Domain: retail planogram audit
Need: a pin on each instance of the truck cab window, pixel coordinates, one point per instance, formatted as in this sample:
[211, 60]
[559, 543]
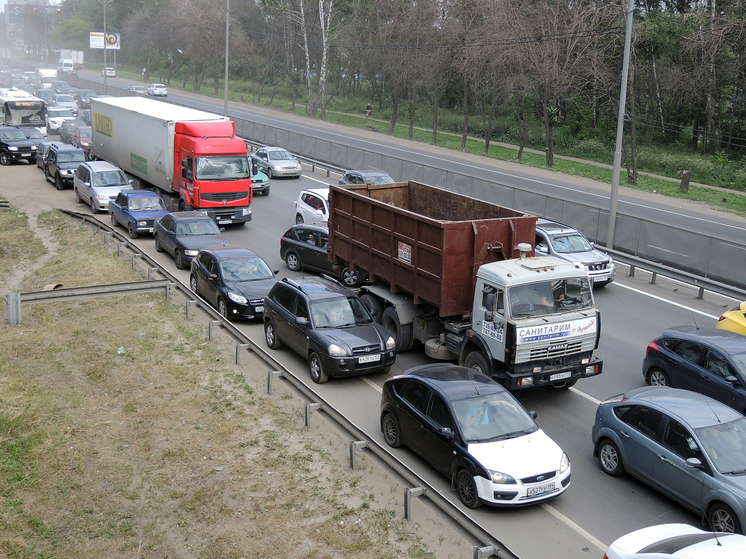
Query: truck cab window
[187, 169]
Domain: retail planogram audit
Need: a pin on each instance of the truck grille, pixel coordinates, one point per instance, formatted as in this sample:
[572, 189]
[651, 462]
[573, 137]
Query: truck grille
[227, 196]
[553, 351]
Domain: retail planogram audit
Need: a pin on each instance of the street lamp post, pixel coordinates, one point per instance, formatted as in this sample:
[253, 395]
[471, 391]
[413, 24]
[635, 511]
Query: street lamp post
[227, 31]
[104, 3]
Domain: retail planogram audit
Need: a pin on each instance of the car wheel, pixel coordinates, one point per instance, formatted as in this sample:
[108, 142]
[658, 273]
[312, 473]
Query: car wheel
[386, 370]
[722, 519]
[316, 367]
[132, 231]
[158, 247]
[193, 284]
[114, 222]
[656, 377]
[94, 209]
[222, 309]
[270, 335]
[298, 218]
[4, 159]
[292, 260]
[58, 183]
[78, 199]
[32, 161]
[374, 305]
[349, 278]
[266, 192]
[402, 333]
[180, 264]
[467, 490]
[390, 428]
[269, 173]
[475, 360]
[609, 458]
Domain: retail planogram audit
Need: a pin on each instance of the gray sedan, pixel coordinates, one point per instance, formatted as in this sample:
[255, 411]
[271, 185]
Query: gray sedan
[686, 445]
[277, 162]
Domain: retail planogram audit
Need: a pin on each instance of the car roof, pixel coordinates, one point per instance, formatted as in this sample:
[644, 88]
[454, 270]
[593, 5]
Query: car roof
[181, 216]
[724, 340]
[101, 166]
[554, 226]
[318, 287]
[311, 227]
[68, 147]
[697, 410]
[368, 171]
[140, 194]
[455, 382]
[274, 148]
[229, 252]
[323, 192]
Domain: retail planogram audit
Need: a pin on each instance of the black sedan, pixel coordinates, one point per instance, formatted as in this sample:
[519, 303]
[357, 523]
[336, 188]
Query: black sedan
[183, 234]
[471, 429]
[303, 247]
[232, 279]
[705, 360]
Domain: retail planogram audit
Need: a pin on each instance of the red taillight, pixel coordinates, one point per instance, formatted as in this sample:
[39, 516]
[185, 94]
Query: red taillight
[652, 346]
[721, 318]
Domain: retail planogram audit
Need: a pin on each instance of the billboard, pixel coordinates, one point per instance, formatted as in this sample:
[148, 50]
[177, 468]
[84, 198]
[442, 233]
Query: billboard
[97, 40]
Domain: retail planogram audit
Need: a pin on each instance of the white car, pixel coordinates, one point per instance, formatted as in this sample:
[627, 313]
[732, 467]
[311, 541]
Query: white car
[312, 206]
[677, 541]
[55, 117]
[157, 90]
[109, 72]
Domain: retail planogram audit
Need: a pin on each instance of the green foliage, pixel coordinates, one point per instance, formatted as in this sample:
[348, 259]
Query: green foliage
[72, 33]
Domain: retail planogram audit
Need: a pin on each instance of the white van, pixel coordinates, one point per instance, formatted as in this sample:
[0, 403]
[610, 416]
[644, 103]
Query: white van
[65, 65]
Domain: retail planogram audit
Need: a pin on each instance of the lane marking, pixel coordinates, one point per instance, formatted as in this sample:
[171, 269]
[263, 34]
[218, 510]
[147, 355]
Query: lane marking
[367, 381]
[573, 526]
[658, 298]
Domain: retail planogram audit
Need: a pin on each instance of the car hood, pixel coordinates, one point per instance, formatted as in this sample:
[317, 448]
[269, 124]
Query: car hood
[257, 289]
[146, 214]
[69, 166]
[111, 191]
[196, 242]
[525, 456]
[590, 257]
[356, 336]
[24, 144]
[57, 120]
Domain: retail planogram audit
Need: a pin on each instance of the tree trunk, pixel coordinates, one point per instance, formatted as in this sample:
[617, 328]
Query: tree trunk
[465, 131]
[549, 133]
[633, 126]
[394, 109]
[488, 132]
[412, 109]
[659, 101]
[522, 125]
[436, 106]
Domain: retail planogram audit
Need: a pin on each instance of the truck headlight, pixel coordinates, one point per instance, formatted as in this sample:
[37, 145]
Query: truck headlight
[236, 298]
[246, 211]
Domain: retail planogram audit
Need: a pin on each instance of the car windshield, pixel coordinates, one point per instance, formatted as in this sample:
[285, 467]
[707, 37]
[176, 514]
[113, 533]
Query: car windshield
[87, 93]
[222, 168]
[546, 297]
[71, 157]
[343, 312]
[572, 242]
[150, 203]
[65, 99]
[279, 155]
[378, 179]
[491, 418]
[109, 178]
[245, 269]
[84, 132]
[201, 227]
[57, 113]
[725, 444]
[12, 135]
[32, 134]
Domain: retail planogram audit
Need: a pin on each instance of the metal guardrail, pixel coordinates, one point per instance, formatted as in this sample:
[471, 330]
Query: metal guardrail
[490, 546]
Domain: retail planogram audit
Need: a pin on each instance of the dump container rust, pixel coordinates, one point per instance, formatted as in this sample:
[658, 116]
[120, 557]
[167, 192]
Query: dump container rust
[423, 240]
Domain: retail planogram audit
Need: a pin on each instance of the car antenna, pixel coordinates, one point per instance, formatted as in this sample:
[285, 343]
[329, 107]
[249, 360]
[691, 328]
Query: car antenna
[710, 406]
[694, 318]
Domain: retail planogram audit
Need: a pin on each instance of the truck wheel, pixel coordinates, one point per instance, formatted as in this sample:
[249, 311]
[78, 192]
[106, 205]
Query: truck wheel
[316, 368]
[183, 206]
[131, 230]
[475, 360]
[374, 306]
[402, 333]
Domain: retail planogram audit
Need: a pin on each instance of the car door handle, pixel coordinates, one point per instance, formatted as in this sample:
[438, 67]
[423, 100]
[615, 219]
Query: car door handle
[624, 434]
[664, 459]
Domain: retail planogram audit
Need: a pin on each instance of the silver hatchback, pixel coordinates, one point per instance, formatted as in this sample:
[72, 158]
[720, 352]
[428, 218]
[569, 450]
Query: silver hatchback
[97, 182]
[686, 445]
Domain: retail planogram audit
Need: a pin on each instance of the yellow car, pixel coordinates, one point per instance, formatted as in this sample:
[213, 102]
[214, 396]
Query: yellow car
[734, 319]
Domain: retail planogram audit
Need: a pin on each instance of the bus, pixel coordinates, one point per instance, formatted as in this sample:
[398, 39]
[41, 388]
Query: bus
[20, 108]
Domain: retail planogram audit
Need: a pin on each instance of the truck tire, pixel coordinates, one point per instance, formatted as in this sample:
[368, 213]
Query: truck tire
[475, 360]
[402, 333]
[374, 306]
[183, 206]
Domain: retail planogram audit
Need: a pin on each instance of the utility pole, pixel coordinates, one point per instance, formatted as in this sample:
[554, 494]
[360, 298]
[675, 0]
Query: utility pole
[227, 36]
[104, 3]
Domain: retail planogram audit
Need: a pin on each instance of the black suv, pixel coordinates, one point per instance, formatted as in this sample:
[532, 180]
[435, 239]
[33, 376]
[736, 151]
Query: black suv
[323, 321]
[14, 146]
[62, 161]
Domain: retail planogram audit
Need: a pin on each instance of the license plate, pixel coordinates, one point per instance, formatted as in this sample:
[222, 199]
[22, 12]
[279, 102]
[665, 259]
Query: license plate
[224, 221]
[260, 308]
[599, 278]
[540, 489]
[560, 376]
[369, 358]
[25, 155]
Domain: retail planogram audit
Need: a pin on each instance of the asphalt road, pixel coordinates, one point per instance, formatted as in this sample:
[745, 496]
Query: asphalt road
[597, 508]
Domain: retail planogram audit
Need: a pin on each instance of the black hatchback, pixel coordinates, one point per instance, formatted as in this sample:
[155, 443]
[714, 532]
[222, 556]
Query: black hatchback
[183, 234]
[705, 360]
[327, 324]
[233, 279]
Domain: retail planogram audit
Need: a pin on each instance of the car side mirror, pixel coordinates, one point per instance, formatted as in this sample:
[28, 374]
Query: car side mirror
[533, 414]
[131, 181]
[275, 272]
[730, 379]
[86, 184]
[541, 249]
[301, 321]
[212, 277]
[694, 463]
[446, 432]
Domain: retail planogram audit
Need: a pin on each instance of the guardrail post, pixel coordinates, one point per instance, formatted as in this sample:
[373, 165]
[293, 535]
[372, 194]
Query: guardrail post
[354, 445]
[270, 377]
[631, 270]
[484, 552]
[169, 285]
[189, 308]
[410, 492]
[120, 244]
[239, 348]
[701, 294]
[135, 257]
[151, 273]
[310, 407]
[328, 172]
[107, 234]
[654, 277]
[14, 308]
[210, 328]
